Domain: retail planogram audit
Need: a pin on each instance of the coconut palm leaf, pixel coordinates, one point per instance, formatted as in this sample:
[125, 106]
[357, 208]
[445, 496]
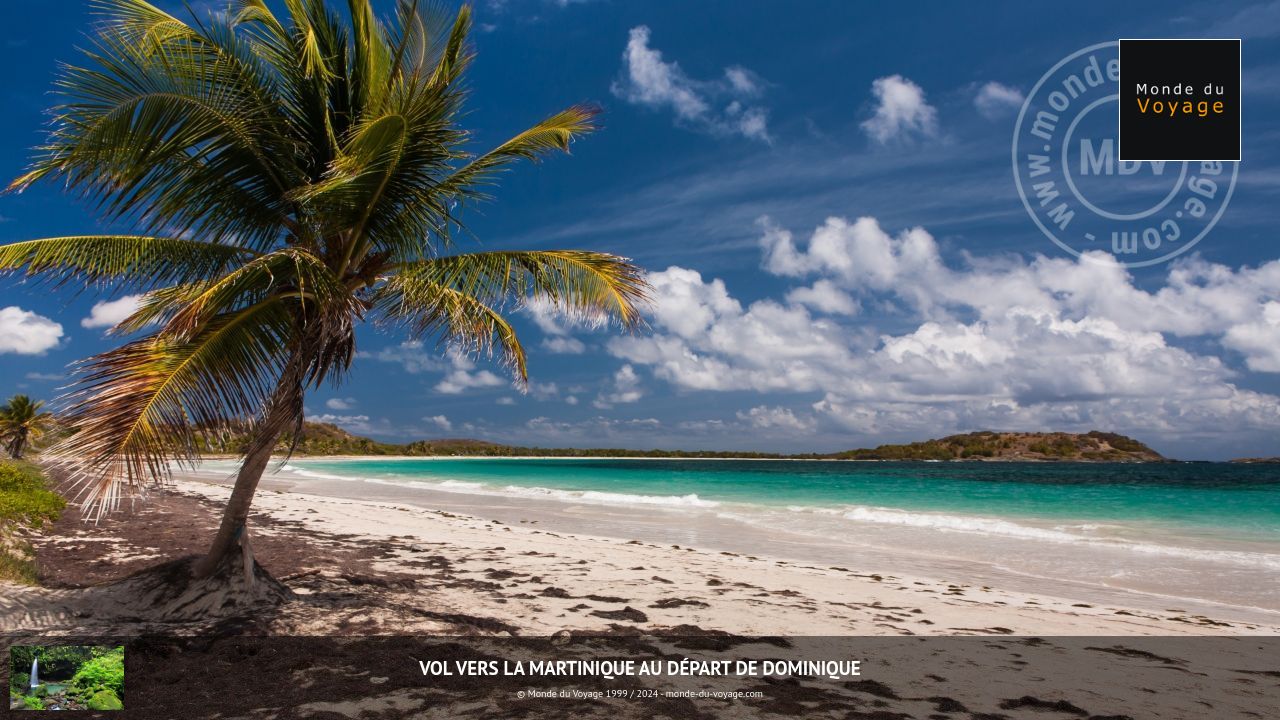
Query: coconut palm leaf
[127, 262]
[459, 320]
[578, 283]
[289, 272]
[172, 129]
[141, 406]
[459, 298]
[554, 133]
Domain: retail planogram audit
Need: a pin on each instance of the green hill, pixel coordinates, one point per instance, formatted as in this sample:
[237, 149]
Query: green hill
[327, 439]
[988, 445]
[315, 439]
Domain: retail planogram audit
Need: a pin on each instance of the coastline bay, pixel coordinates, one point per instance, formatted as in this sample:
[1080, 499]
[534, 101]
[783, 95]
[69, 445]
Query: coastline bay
[1156, 535]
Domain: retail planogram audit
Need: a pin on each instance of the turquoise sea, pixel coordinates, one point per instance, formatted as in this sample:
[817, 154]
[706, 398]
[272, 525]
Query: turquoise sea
[1209, 499]
[1208, 531]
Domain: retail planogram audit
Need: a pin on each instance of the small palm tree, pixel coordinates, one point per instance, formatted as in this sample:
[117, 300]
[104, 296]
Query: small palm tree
[285, 179]
[21, 423]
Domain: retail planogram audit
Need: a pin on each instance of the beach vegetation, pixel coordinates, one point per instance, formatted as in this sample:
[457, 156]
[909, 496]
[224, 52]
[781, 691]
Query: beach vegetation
[322, 439]
[986, 444]
[26, 505]
[22, 421]
[25, 500]
[279, 175]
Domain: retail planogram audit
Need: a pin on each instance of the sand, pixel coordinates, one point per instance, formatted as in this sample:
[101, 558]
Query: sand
[433, 571]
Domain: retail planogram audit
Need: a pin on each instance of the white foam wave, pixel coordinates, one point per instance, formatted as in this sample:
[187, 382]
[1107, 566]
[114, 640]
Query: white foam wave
[1084, 533]
[609, 498]
[1004, 528]
[594, 497]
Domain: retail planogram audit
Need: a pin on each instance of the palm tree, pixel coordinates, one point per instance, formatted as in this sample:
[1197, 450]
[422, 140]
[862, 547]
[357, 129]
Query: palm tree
[21, 422]
[284, 179]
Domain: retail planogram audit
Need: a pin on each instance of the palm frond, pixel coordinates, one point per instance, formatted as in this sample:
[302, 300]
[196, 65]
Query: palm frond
[582, 284]
[174, 129]
[126, 261]
[455, 319]
[141, 22]
[372, 59]
[289, 272]
[555, 133]
[143, 405]
[460, 297]
[455, 56]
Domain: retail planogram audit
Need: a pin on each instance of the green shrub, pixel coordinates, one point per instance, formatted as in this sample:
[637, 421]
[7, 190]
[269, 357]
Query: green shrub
[15, 561]
[24, 503]
[33, 703]
[105, 700]
[40, 691]
[19, 681]
[106, 671]
[24, 499]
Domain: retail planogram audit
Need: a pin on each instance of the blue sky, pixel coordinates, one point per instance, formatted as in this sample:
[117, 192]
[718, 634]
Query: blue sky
[822, 193]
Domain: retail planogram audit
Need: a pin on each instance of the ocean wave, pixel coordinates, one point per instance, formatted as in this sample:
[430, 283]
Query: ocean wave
[1084, 533]
[977, 525]
[610, 498]
[594, 497]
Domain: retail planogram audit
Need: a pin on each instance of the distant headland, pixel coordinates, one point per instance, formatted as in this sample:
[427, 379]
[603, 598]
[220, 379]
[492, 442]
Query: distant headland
[321, 439]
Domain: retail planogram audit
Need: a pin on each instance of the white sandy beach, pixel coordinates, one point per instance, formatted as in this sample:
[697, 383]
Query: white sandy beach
[535, 568]
[549, 579]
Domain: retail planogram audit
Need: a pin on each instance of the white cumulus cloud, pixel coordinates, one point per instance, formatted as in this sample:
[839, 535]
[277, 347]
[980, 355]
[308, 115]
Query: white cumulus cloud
[775, 418]
[23, 332]
[440, 421]
[995, 101]
[626, 389]
[460, 371]
[719, 106]
[824, 296]
[464, 376]
[110, 313]
[901, 111]
[554, 322]
[351, 423]
[996, 342]
[1258, 339]
[564, 346]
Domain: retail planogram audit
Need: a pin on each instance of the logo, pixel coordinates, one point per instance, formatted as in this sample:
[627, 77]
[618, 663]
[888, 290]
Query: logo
[1180, 100]
[1082, 196]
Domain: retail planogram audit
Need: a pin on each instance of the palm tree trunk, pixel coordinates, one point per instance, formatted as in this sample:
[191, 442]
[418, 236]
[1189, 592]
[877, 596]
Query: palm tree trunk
[281, 412]
[19, 444]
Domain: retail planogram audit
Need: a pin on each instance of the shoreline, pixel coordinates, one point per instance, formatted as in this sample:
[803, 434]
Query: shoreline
[1035, 461]
[1055, 598]
[1158, 562]
[1143, 568]
[1056, 605]
[362, 562]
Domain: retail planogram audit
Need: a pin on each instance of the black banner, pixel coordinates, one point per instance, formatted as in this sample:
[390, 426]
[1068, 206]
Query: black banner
[705, 675]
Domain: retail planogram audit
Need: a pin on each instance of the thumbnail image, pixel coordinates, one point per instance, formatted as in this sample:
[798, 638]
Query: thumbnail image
[66, 677]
